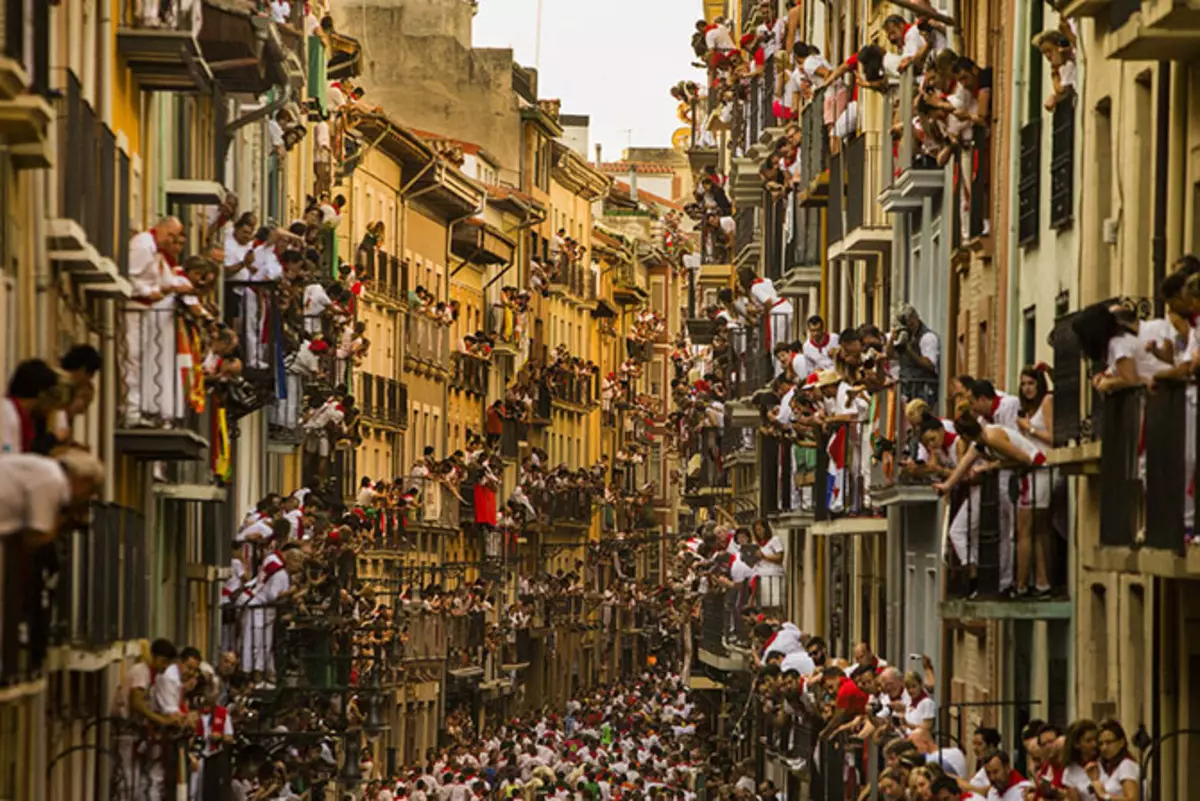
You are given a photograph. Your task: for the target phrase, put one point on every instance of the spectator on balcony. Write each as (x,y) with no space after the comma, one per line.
(1058,48)
(718,41)
(906,37)
(37,393)
(916,348)
(867,68)
(1116,775)
(992,406)
(153,256)
(949,758)
(1082,751)
(280,10)
(46,492)
(80,364)
(1112,334)
(819,348)
(1006,783)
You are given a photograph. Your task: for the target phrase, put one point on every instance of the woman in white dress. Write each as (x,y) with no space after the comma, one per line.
(1035,545)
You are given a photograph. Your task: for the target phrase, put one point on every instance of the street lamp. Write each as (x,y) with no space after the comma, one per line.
(1147,745)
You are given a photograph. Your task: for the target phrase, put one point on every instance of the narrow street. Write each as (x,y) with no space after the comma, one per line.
(446,400)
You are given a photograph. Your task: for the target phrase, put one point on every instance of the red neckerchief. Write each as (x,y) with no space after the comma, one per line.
(995,405)
(27,427)
(1014,779)
(271,566)
(948,439)
(820,344)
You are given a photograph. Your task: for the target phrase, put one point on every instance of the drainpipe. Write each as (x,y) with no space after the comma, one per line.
(1162,159)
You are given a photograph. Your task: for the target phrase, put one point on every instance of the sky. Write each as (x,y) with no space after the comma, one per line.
(614,60)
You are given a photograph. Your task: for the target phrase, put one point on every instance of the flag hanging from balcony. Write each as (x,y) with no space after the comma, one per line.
(835,483)
(189,360)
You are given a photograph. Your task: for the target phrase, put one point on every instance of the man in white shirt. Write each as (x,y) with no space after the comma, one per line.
(818,347)
(38,490)
(718,37)
(153,255)
(1007,784)
(166,699)
(281,11)
(950,759)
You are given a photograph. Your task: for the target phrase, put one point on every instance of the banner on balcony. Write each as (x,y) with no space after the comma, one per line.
(222,466)
(835,484)
(189,358)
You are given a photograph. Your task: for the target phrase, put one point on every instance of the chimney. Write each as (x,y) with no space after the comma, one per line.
(598,161)
(633,193)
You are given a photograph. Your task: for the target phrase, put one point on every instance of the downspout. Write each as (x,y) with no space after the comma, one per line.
(1020,80)
(1162,161)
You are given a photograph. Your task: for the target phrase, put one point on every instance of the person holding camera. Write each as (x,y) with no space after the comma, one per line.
(916,348)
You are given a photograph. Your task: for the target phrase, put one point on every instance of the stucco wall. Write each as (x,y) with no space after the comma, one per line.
(419,66)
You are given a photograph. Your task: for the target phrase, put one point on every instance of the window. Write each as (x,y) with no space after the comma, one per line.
(1034,96)
(1062,165)
(1098,642)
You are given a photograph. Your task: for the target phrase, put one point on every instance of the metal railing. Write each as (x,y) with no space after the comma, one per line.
(1002,536)
(814,141)
(90,175)
(569,388)
(712,472)
(253,312)
(723,620)
(427,636)
(843,472)
(428,339)
(436,504)
(469,373)
(161,367)
(170,15)
(504,322)
(751,364)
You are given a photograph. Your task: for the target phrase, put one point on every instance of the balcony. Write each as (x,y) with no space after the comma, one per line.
(751,365)
(994,544)
(481,245)
(465,645)
(629,284)
(99,600)
(842,489)
(428,344)
(724,628)
(427,637)
(574,392)
(388,276)
(163,51)
(383,401)
(165,400)
(814,155)
(254,312)
(746,240)
(88,234)
(785,488)
(469,373)
(865,229)
(758,115)
(908,175)
(1151,30)
(25,115)
(436,506)
(707,475)
(508,327)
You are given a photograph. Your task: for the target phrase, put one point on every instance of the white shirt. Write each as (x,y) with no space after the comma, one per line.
(137,677)
(1132,346)
(10,427)
(719,39)
(321,136)
(811,66)
(952,760)
(280,10)
(786,641)
(146,271)
(35,491)
(1076,777)
(798,661)
(266,263)
(728,225)
(921,711)
(1127,771)
(913,42)
(235,253)
(774,547)
(166,695)
(800,366)
(316,300)
(1014,793)
(1006,412)
(819,358)
(930,347)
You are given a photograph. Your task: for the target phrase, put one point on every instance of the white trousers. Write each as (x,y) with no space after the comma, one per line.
(153,387)
(258,639)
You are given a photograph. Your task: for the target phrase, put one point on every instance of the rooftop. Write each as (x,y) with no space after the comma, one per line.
(641,167)
(622,188)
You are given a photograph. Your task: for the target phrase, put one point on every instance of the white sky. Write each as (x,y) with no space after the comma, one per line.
(614,60)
